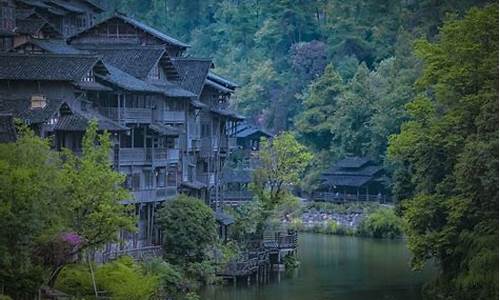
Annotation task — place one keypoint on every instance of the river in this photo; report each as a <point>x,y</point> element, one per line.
<point>338,268</point>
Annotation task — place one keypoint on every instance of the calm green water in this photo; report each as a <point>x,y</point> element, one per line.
<point>339,268</point>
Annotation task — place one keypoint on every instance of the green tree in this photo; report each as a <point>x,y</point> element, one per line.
<point>283,161</point>
<point>189,229</point>
<point>320,103</point>
<point>94,191</point>
<point>449,152</point>
<point>31,211</point>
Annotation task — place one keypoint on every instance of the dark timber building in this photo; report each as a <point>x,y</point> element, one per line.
<point>169,115</point>
<point>353,179</point>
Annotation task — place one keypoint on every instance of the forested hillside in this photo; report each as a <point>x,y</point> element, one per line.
<point>352,77</point>
<point>276,49</point>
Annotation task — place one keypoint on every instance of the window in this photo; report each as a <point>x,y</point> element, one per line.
<point>161,177</point>
<point>125,141</point>
<point>148,179</point>
<point>172,176</point>
<point>205,130</point>
<point>89,77</point>
<point>136,181</point>
<point>138,137</point>
<point>38,101</point>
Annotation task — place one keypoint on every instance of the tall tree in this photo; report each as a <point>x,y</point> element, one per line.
<point>320,103</point>
<point>31,211</point>
<point>283,161</point>
<point>449,153</point>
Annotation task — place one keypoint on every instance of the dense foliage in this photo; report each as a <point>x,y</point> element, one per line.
<point>189,229</point>
<point>119,279</point>
<point>52,211</point>
<point>382,223</point>
<point>282,162</point>
<point>446,158</point>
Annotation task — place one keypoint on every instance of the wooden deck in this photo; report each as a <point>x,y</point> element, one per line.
<point>258,261</point>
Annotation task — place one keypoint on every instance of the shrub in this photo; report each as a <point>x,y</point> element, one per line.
<point>189,228</point>
<point>382,223</point>
<point>124,279</point>
<point>75,280</point>
<point>121,279</point>
<point>170,279</point>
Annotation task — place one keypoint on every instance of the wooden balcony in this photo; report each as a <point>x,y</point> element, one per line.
<point>135,156</point>
<point>128,115</point>
<point>155,194</point>
<point>173,116</point>
<point>173,155</point>
<point>145,156</point>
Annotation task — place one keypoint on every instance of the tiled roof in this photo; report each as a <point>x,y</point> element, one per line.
<point>353,172</point>
<point>134,60</point>
<point>45,66</point>
<point>29,26</point>
<point>164,129</point>
<point>198,104</point>
<point>7,129</point>
<point>92,86</point>
<point>24,13</point>
<point>79,121</point>
<point>244,129</point>
<point>193,72</point>
<point>227,113</point>
<point>146,28</point>
<point>218,86</point>
<point>158,34</point>
<point>352,162</point>
<point>173,90</point>
<point>128,82</point>
<point>221,80</point>
<point>96,4</point>
<point>21,108</point>
<point>195,185</point>
<point>56,46</point>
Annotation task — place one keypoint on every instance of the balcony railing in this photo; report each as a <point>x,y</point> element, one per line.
<point>138,156</point>
<point>173,116</point>
<point>155,194</point>
<point>173,155</point>
<point>133,156</point>
<point>128,114</point>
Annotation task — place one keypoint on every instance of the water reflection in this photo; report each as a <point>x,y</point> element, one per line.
<point>334,267</point>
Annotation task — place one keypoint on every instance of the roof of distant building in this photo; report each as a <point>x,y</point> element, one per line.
<point>58,67</point>
<point>140,25</point>
<point>193,72</point>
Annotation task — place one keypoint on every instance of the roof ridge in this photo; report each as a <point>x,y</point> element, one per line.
<point>82,55</point>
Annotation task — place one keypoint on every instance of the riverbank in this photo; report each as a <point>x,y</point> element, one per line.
<point>353,218</point>
<point>337,267</point>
